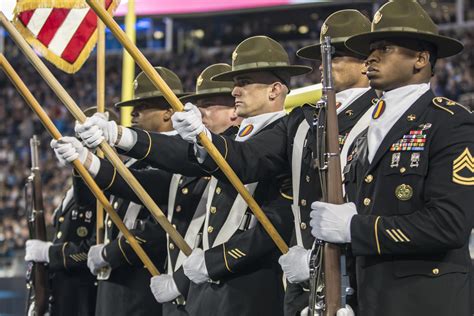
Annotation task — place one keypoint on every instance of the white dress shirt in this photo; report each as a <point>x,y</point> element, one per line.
<point>397,102</point>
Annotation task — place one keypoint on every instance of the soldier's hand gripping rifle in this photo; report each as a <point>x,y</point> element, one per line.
<point>328,281</point>
<point>38,280</point>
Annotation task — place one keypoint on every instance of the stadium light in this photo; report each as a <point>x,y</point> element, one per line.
<point>303,29</point>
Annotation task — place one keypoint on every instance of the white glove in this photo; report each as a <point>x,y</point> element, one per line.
<point>164,288</point>
<point>68,149</point>
<point>95,260</point>
<point>332,222</point>
<point>194,267</point>
<point>37,250</point>
<point>97,128</point>
<point>295,264</point>
<point>305,311</point>
<point>346,311</point>
<point>188,123</point>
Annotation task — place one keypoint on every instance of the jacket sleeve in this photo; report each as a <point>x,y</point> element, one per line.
<point>150,236</point>
<point>155,181</point>
<point>249,250</point>
<point>445,219</point>
<point>82,194</point>
<point>262,156</point>
<point>170,153</point>
<point>182,282</point>
<point>69,256</point>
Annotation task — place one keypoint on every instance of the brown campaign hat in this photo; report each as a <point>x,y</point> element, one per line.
<point>113,116</point>
<point>339,26</point>
<point>404,19</point>
<point>260,53</point>
<point>145,91</point>
<point>205,87</point>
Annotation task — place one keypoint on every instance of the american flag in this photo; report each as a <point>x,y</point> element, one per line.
<point>63,31</point>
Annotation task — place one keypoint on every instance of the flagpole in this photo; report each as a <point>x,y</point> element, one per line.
<point>101,109</point>
<point>54,132</point>
<point>128,65</point>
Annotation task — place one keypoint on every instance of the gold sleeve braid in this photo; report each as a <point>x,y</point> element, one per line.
<point>123,252</point>
<point>225,259</point>
<point>225,153</point>
<point>149,146</point>
<point>377,234</point>
<point>111,181</point>
<point>63,249</point>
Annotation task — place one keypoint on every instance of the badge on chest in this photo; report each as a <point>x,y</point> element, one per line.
<point>411,145</point>
<point>415,140</point>
<point>414,159</point>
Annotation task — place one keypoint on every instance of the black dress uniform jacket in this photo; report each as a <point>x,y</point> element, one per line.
<point>270,153</point>
<point>127,290</point>
<point>73,286</point>
<point>245,271</point>
<point>156,182</point>
<point>416,215</point>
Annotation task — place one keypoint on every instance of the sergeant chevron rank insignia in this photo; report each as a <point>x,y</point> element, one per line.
<point>463,168</point>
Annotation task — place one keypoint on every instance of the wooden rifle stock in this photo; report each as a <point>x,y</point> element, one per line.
<point>332,252</point>
<point>40,272</point>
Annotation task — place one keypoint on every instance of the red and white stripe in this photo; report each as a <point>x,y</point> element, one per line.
<point>65,32</point>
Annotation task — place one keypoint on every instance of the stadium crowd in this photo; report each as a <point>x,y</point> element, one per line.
<point>454,79</point>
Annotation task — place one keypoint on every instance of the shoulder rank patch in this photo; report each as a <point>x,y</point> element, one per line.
<point>463,168</point>
<point>445,104</point>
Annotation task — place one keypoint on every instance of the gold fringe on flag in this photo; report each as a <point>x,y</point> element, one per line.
<point>26,5</point>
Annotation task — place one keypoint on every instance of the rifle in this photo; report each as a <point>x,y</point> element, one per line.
<point>38,280</point>
<point>329,283</point>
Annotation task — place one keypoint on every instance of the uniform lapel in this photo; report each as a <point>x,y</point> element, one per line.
<point>403,125</point>
<point>187,181</point>
<point>349,117</point>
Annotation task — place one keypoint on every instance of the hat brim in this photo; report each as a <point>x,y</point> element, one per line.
<point>198,96</point>
<point>313,52</point>
<point>293,70</point>
<point>158,101</point>
<point>446,46</point>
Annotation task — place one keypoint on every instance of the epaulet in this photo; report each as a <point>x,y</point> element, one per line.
<point>307,106</point>
<point>289,110</point>
<point>447,105</point>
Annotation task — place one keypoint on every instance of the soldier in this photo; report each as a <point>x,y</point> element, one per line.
<point>216,105</point>
<point>412,172</point>
<point>125,291</point>
<point>237,273</point>
<point>354,97</point>
<point>73,288</point>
